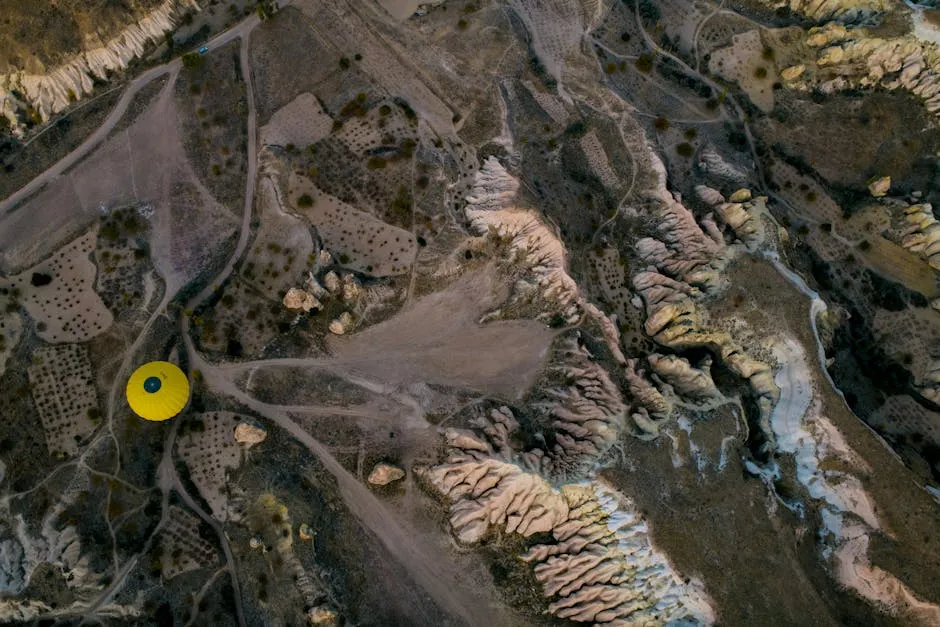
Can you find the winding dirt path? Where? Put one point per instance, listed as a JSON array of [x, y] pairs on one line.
[[10, 204]]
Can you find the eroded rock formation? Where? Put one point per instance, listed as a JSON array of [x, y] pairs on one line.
[[848, 58], [491, 209], [920, 233], [686, 265], [684, 378], [601, 566], [56, 89], [743, 213], [845, 11]]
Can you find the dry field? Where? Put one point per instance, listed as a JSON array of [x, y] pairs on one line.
[[212, 109], [850, 140], [438, 340], [61, 137], [288, 59]]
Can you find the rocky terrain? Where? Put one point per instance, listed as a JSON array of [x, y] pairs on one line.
[[498, 313], [42, 82]]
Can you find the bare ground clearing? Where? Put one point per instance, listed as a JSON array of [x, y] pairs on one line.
[[438, 340]]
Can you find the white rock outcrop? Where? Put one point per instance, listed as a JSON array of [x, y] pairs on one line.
[[323, 616], [351, 288], [52, 541], [384, 474], [793, 72], [743, 213], [920, 233], [685, 379], [313, 286], [880, 186], [249, 435], [332, 282], [585, 410], [13, 611], [929, 384], [299, 299], [343, 324], [652, 409]]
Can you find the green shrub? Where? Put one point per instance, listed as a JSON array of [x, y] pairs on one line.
[[192, 61], [644, 63]]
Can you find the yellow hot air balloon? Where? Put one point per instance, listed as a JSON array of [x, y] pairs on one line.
[[157, 390]]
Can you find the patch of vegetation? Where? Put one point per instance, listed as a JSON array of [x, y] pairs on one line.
[[306, 200], [399, 211], [684, 149], [39, 279], [266, 8], [192, 60], [406, 108], [355, 107], [644, 63]]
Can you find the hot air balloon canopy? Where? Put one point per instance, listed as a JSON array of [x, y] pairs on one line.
[[157, 390]]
